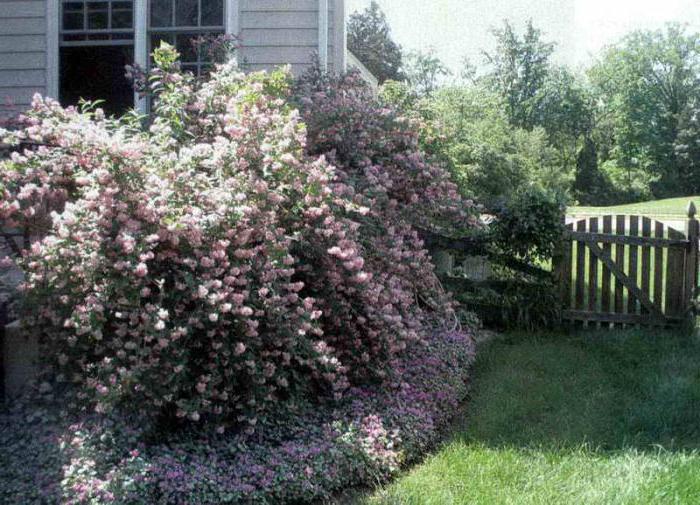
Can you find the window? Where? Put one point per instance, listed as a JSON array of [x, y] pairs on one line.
[[180, 23], [96, 42], [97, 38]]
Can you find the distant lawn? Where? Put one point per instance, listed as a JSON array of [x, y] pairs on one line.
[[612, 418], [672, 207]]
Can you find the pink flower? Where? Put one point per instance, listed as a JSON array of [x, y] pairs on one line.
[[141, 270]]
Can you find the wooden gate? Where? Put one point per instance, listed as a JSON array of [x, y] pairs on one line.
[[621, 270]]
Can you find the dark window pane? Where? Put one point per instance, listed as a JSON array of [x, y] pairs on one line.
[[186, 12], [123, 36], [123, 5], [73, 21], [186, 48], [98, 20], [97, 72], [161, 13], [121, 19], [73, 7], [212, 13]]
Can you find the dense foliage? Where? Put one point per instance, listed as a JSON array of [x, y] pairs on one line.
[[624, 130], [647, 85], [301, 457], [216, 265]]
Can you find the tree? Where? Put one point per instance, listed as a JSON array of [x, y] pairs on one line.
[[644, 84], [520, 66], [424, 70], [591, 185], [489, 158], [369, 38], [687, 148]]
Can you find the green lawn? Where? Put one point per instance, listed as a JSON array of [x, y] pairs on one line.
[[610, 418], [672, 207]]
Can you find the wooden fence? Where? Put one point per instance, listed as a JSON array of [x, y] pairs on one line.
[[628, 270]]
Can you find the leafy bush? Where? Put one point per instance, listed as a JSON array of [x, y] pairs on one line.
[[214, 265], [467, 129], [530, 226], [294, 458]]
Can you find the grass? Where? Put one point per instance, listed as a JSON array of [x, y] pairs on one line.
[[610, 418], [671, 208]]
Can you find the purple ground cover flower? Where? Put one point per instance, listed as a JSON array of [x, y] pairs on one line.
[[314, 454]]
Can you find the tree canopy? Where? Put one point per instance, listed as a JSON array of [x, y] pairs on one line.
[[369, 38]]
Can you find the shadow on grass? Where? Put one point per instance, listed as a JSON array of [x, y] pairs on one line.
[[608, 390], [605, 417]]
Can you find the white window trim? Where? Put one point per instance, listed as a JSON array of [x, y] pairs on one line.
[[141, 14], [323, 33], [52, 59]]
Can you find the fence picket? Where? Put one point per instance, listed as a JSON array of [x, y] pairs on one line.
[[593, 273], [620, 262], [692, 233], [633, 265], [580, 269], [658, 268], [674, 278], [646, 260], [564, 272], [605, 284]]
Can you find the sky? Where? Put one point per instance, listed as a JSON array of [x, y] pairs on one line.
[[456, 29]]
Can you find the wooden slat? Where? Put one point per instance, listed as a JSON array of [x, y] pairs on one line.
[[674, 278], [623, 279], [646, 260], [605, 238], [605, 283], [593, 271], [580, 268], [658, 267], [692, 233], [563, 272], [620, 262], [633, 265], [609, 317]]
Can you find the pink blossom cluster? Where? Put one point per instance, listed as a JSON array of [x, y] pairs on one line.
[[215, 263]]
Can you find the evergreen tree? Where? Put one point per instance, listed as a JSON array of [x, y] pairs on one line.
[[369, 38]]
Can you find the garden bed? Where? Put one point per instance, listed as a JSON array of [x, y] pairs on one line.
[[293, 458]]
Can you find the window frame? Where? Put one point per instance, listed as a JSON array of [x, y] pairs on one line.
[[142, 31]]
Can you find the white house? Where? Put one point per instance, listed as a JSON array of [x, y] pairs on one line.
[[68, 49]]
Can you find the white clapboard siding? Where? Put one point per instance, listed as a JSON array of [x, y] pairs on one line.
[[281, 32], [22, 53]]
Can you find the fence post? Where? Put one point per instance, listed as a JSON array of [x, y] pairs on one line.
[[692, 232], [560, 266]]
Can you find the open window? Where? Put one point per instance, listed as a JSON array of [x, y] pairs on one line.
[[180, 23], [98, 38], [96, 42]]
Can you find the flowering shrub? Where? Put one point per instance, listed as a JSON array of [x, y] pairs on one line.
[[214, 264], [307, 456]]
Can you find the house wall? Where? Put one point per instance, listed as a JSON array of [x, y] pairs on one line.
[[276, 32], [22, 53], [273, 33]]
